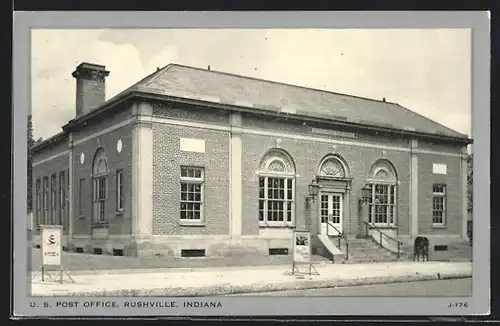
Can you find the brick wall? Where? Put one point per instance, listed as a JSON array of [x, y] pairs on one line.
[[167, 161], [118, 223], [101, 123], [54, 149], [453, 197], [47, 169], [439, 147], [307, 155], [90, 94], [191, 113]]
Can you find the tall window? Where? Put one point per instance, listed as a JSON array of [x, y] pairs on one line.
[[81, 188], [45, 201], [119, 190], [38, 204], [100, 190], [276, 189], [62, 197], [382, 202], [53, 199], [439, 204], [192, 179]]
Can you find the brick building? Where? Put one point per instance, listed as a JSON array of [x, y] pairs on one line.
[[193, 160]]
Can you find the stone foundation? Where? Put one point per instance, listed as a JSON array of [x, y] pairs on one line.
[[172, 246]]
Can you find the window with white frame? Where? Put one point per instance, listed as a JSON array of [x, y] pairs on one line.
[[382, 207], [119, 190], [53, 199], [100, 187], [439, 204], [45, 201], [62, 197], [38, 204], [81, 187], [191, 205], [276, 189]]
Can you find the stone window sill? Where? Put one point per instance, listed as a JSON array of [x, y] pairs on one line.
[[192, 223], [383, 227], [276, 225], [81, 217], [96, 225], [438, 226], [119, 213]]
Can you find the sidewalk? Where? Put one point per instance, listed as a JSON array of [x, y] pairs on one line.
[[223, 281]]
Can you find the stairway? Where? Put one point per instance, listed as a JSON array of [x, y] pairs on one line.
[[365, 250]]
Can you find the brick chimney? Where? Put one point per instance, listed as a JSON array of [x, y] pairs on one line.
[[90, 87]]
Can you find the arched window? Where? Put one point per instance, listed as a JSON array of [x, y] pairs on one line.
[[276, 189], [100, 185], [382, 203]]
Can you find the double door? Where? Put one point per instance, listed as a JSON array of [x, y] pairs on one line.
[[331, 213]]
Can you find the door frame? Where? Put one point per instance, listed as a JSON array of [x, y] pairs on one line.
[[343, 210], [341, 187]]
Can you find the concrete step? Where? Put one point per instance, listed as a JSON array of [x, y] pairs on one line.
[[366, 250]]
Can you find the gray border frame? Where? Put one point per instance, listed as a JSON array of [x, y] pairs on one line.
[[477, 21]]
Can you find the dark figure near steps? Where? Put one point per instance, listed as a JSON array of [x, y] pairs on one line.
[[421, 249]]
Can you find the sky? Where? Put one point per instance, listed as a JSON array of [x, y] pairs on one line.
[[425, 70]]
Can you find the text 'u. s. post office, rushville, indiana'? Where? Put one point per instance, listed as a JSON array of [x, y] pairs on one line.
[[194, 162]]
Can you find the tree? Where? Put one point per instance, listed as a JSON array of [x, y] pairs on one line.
[[469, 181], [31, 143]]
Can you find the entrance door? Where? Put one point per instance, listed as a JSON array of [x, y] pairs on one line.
[[331, 210]]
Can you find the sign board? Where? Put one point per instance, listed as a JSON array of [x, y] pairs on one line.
[[302, 247], [51, 245]]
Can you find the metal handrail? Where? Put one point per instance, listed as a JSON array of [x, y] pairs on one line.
[[340, 237], [382, 234]]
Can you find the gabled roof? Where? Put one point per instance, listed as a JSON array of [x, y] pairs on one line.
[[219, 87]]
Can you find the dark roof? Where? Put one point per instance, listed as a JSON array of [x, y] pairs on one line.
[[219, 87]]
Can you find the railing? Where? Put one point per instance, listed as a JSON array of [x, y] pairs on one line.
[[340, 235], [369, 226]]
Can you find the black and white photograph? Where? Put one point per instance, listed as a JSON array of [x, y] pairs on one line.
[[180, 163]]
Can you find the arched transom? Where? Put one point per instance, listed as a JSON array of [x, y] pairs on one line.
[[277, 161], [331, 167], [383, 171], [100, 165]]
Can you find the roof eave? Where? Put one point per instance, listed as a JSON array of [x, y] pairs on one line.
[[277, 112], [104, 107], [47, 142]]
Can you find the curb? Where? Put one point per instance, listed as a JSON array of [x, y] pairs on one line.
[[228, 289], [174, 269]]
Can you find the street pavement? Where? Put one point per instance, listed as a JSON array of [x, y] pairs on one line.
[[230, 280], [452, 288]]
